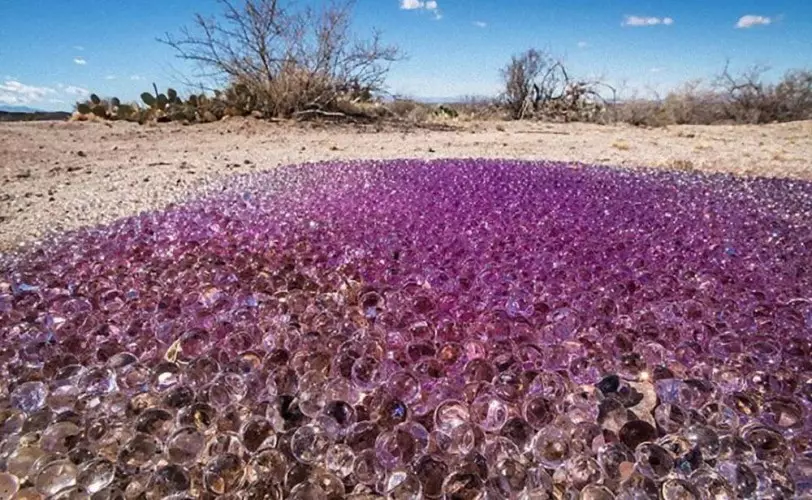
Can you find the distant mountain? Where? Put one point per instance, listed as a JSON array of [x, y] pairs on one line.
[[22, 116], [18, 109]]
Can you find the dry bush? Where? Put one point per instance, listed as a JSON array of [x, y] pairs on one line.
[[742, 98], [749, 99], [531, 79], [286, 59], [536, 84], [694, 104], [409, 110], [478, 108], [640, 112]]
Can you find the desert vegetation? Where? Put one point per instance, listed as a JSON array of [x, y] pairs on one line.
[[272, 59]]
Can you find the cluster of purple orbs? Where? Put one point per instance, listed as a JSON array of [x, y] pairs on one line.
[[455, 329]]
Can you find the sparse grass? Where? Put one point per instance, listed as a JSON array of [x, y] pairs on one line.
[[682, 165], [621, 145]]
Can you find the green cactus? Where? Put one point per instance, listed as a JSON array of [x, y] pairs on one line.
[[95, 99], [162, 101], [83, 108], [171, 94], [99, 110], [125, 112], [192, 101], [115, 102], [148, 99]]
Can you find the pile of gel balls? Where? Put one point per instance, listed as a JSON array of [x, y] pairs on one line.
[[455, 329]]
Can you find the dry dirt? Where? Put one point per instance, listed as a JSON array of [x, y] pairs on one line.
[[56, 176]]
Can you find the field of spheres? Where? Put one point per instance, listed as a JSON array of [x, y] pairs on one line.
[[452, 329]]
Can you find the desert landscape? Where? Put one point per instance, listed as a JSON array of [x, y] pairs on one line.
[[274, 252], [58, 176]]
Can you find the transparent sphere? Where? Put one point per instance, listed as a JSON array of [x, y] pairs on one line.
[[509, 476], [138, 451], [185, 445], [739, 476], [56, 476], [29, 396], [402, 485], [257, 432], [223, 474], [366, 373], [636, 432], [710, 484], [340, 459], [225, 442], [538, 411], [654, 461], [22, 459], [309, 444], [768, 444], [431, 472], [450, 414], [551, 446], [365, 467], [9, 485], [168, 480], [96, 475], [397, 448], [155, 422], [679, 489], [198, 415], [307, 491], [489, 412], [463, 484], [267, 465], [704, 439]]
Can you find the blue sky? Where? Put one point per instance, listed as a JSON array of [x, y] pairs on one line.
[[53, 51]]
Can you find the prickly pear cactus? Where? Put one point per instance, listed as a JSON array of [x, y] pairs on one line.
[[95, 99], [125, 112], [171, 94], [115, 102], [148, 99], [83, 108], [99, 110]]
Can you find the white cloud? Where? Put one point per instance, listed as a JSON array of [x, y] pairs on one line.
[[80, 61], [656, 69], [56, 101], [750, 20], [14, 92], [427, 5], [76, 91], [110, 77], [635, 21], [78, 47], [411, 4], [583, 45], [136, 78], [480, 24]]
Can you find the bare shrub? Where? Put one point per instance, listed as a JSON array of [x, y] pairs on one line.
[[532, 78], [749, 99], [693, 103], [739, 98], [794, 96], [537, 84], [283, 58], [478, 108]]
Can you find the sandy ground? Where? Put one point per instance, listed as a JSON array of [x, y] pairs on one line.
[[56, 176]]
